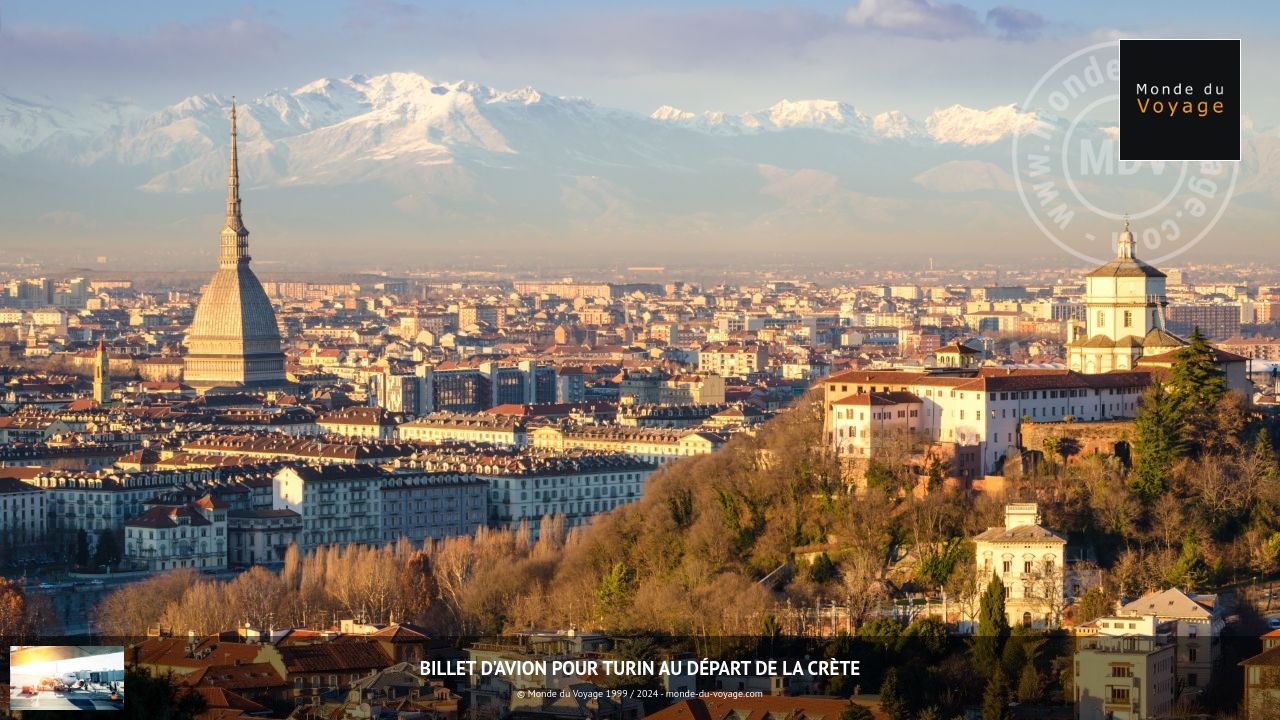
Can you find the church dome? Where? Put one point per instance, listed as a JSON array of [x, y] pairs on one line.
[[1125, 263]]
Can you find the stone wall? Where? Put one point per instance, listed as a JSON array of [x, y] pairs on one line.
[[1111, 437]]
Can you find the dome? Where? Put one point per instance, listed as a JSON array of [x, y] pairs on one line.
[[234, 311], [233, 340]]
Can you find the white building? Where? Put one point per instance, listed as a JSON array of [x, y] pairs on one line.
[[339, 504], [578, 486], [653, 445], [1125, 671], [732, 359], [1029, 560], [1197, 623], [424, 506], [23, 515], [976, 413], [190, 535], [507, 430]]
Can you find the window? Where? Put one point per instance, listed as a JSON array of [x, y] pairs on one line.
[[1102, 317], [1128, 318], [1008, 565], [1119, 694], [1122, 671], [1026, 567]]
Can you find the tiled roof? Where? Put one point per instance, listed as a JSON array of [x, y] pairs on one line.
[[328, 657]]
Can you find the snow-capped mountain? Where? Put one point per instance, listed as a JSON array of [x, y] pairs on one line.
[[464, 158]]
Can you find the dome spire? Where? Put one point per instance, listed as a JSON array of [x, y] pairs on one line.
[[235, 236], [1124, 246]]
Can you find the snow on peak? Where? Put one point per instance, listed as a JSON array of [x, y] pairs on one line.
[[668, 113], [814, 113], [970, 126], [895, 125]]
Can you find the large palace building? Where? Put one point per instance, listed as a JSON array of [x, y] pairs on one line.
[[234, 341], [972, 416]]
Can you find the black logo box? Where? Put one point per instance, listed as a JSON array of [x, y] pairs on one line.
[[1187, 68]]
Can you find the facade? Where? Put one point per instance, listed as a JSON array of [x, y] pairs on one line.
[[1124, 314], [190, 535], [359, 422], [1029, 560], [23, 516], [423, 506], [733, 359], [1125, 671], [234, 340], [261, 535], [575, 487], [506, 430], [1262, 680], [339, 504], [649, 444], [1197, 623], [976, 414]]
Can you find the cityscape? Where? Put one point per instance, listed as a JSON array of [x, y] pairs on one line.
[[512, 473]]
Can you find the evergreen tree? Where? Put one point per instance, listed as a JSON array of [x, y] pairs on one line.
[[107, 552], [1190, 571], [893, 701], [1159, 427], [822, 569], [82, 548], [1196, 377], [854, 711], [995, 700], [993, 626], [1030, 688], [1198, 384]]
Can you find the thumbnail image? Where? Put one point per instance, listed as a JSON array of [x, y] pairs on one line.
[[66, 677]]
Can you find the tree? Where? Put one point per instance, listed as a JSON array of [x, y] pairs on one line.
[[822, 569], [995, 699], [1095, 603], [1159, 428], [82, 548], [893, 701], [1030, 687], [108, 551], [158, 698], [993, 625], [1190, 571], [1198, 384], [13, 608], [854, 711]]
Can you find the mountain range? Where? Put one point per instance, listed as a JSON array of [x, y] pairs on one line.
[[413, 164]]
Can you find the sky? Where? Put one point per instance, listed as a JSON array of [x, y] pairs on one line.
[[909, 55], [913, 56]]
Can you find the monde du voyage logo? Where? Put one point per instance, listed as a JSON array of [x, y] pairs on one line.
[[1180, 100], [1141, 131]]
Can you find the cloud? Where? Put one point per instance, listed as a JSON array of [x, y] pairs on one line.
[[917, 18], [365, 14], [1013, 23]]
